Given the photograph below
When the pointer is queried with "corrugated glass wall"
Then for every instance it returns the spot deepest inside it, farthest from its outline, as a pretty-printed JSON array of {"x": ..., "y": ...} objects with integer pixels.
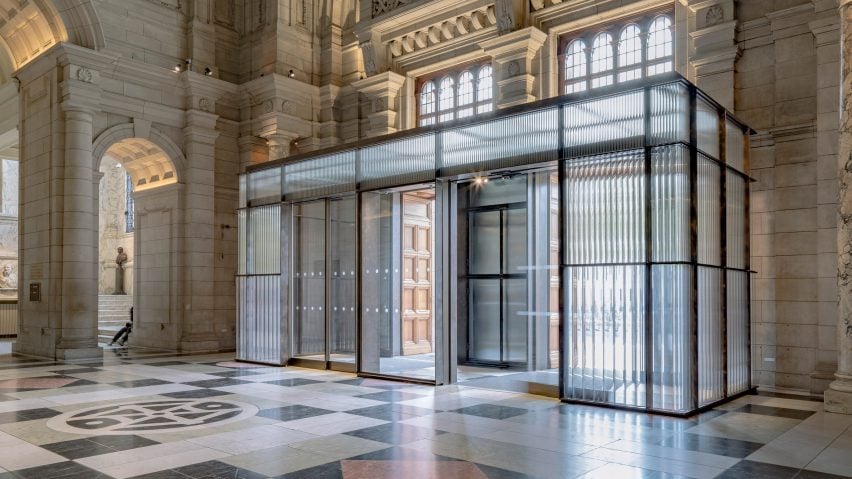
[{"x": 654, "y": 218}]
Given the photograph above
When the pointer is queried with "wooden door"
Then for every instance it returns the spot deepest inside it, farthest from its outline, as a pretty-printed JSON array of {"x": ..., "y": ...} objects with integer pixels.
[{"x": 417, "y": 272}]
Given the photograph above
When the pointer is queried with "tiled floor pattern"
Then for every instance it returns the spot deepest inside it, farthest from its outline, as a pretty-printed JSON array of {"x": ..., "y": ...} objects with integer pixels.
[{"x": 320, "y": 424}]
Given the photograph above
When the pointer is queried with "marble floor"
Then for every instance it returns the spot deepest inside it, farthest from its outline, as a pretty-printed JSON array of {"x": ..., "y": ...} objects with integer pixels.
[{"x": 137, "y": 414}]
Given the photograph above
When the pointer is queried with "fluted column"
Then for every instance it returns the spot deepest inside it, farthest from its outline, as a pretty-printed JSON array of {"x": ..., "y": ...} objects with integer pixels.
[{"x": 838, "y": 397}]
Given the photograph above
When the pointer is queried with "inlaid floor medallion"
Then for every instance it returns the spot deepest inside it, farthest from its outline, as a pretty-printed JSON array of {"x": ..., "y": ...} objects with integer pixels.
[{"x": 152, "y": 416}]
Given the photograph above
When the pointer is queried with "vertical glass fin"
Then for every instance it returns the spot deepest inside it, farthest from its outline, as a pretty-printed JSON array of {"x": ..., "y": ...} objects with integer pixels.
[
  {"x": 738, "y": 332},
  {"x": 711, "y": 365},
  {"x": 672, "y": 346},
  {"x": 670, "y": 203},
  {"x": 709, "y": 216}
]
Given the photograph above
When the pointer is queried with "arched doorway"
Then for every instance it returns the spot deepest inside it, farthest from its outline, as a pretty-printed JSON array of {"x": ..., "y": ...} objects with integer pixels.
[{"x": 134, "y": 171}]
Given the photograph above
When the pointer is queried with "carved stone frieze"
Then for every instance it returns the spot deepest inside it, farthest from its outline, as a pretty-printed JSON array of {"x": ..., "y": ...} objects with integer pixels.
[
  {"x": 447, "y": 30},
  {"x": 714, "y": 15},
  {"x": 536, "y": 5},
  {"x": 384, "y": 6}
]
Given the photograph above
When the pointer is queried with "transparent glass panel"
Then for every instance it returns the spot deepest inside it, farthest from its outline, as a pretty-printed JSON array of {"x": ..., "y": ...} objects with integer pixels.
[
  {"x": 603, "y": 60},
  {"x": 325, "y": 175},
  {"x": 605, "y": 124},
  {"x": 738, "y": 332},
  {"x": 515, "y": 241},
  {"x": 427, "y": 104},
  {"x": 575, "y": 67},
  {"x": 264, "y": 241},
  {"x": 264, "y": 187},
  {"x": 398, "y": 162},
  {"x": 735, "y": 146},
  {"x": 660, "y": 39},
  {"x": 259, "y": 319},
  {"x": 672, "y": 352},
  {"x": 707, "y": 126},
  {"x": 709, "y": 215},
  {"x": 670, "y": 203},
  {"x": 669, "y": 113},
  {"x": 446, "y": 100},
  {"x": 397, "y": 283},
  {"x": 605, "y": 209},
  {"x": 465, "y": 95},
  {"x": 509, "y": 141},
  {"x": 485, "y": 319},
  {"x": 735, "y": 187},
  {"x": 484, "y": 247},
  {"x": 604, "y": 331},
  {"x": 515, "y": 320},
  {"x": 629, "y": 53},
  {"x": 308, "y": 278},
  {"x": 341, "y": 279},
  {"x": 710, "y": 363}
]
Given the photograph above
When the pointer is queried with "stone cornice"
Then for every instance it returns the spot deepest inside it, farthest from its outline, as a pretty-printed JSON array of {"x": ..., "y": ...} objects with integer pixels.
[
  {"x": 568, "y": 15},
  {"x": 527, "y": 40},
  {"x": 792, "y": 11},
  {"x": 824, "y": 30},
  {"x": 385, "y": 83}
]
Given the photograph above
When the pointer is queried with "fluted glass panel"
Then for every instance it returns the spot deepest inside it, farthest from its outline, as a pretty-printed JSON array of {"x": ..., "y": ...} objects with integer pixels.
[
  {"x": 606, "y": 209},
  {"x": 735, "y": 187},
  {"x": 259, "y": 319},
  {"x": 264, "y": 187},
  {"x": 710, "y": 363},
  {"x": 604, "y": 351},
  {"x": 669, "y": 113},
  {"x": 243, "y": 191},
  {"x": 341, "y": 282},
  {"x": 707, "y": 126},
  {"x": 672, "y": 351},
  {"x": 515, "y": 140},
  {"x": 734, "y": 146},
  {"x": 709, "y": 202},
  {"x": 242, "y": 240},
  {"x": 325, "y": 175},
  {"x": 264, "y": 241},
  {"x": 670, "y": 203},
  {"x": 398, "y": 162},
  {"x": 605, "y": 124},
  {"x": 738, "y": 332}
]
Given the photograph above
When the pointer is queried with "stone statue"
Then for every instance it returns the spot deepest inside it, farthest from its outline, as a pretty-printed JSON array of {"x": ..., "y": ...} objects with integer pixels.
[
  {"x": 120, "y": 259},
  {"x": 8, "y": 278}
]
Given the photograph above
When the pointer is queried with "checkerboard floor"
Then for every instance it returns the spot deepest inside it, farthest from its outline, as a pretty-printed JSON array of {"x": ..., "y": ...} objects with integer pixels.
[{"x": 142, "y": 415}]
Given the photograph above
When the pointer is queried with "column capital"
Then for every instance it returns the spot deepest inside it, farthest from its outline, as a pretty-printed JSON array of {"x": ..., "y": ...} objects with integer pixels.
[
  {"x": 279, "y": 142},
  {"x": 382, "y": 90},
  {"x": 381, "y": 84}
]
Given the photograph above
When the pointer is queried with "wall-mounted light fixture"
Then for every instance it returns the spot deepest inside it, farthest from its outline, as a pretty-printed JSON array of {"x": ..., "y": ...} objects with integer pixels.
[
  {"x": 292, "y": 74},
  {"x": 176, "y": 68},
  {"x": 208, "y": 71}
]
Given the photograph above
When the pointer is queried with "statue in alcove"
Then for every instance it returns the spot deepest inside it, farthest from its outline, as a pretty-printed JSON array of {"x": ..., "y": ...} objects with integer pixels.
[
  {"x": 120, "y": 259},
  {"x": 8, "y": 278}
]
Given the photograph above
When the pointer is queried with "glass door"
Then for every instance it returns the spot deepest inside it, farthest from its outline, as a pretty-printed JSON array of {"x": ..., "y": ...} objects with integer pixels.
[
  {"x": 324, "y": 285},
  {"x": 399, "y": 283}
]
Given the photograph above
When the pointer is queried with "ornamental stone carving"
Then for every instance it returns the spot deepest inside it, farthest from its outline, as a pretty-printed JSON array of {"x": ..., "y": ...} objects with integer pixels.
[
  {"x": 369, "y": 58},
  {"x": 204, "y": 104},
  {"x": 430, "y": 35},
  {"x": 714, "y": 15},
  {"x": 84, "y": 75},
  {"x": 513, "y": 68},
  {"x": 384, "y": 6}
]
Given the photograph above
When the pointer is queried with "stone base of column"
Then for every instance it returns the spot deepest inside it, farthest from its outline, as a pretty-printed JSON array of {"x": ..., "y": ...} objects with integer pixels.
[
  {"x": 60, "y": 354},
  {"x": 838, "y": 396}
]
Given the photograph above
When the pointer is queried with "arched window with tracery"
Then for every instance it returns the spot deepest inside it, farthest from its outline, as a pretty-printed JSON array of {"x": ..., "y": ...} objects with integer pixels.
[
  {"x": 575, "y": 67},
  {"x": 617, "y": 53},
  {"x": 451, "y": 95},
  {"x": 427, "y": 104}
]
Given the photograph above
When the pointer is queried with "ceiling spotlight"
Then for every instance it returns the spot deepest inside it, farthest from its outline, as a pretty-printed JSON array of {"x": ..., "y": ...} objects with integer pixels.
[
  {"x": 292, "y": 74},
  {"x": 208, "y": 71},
  {"x": 480, "y": 180}
]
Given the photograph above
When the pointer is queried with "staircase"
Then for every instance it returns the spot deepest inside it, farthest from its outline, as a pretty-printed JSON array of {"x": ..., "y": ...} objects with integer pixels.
[{"x": 113, "y": 312}]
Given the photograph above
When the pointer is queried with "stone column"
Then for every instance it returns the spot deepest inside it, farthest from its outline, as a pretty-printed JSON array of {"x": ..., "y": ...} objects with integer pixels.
[
  {"x": 714, "y": 49},
  {"x": 382, "y": 91},
  {"x": 513, "y": 55},
  {"x": 79, "y": 302},
  {"x": 838, "y": 397}
]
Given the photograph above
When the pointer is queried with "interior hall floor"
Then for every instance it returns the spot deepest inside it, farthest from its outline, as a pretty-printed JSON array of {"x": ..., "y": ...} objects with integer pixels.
[{"x": 147, "y": 415}]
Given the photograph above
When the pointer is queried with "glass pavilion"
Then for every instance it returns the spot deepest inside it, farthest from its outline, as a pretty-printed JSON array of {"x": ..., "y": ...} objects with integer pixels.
[{"x": 601, "y": 237}]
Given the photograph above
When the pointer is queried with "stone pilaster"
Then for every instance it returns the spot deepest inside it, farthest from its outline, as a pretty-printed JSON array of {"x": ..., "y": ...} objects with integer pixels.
[
  {"x": 838, "y": 397},
  {"x": 382, "y": 91},
  {"x": 713, "y": 47},
  {"x": 513, "y": 55},
  {"x": 279, "y": 142},
  {"x": 253, "y": 150}
]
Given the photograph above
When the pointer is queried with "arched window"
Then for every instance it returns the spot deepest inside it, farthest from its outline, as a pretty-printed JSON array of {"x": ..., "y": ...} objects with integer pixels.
[
  {"x": 485, "y": 89},
  {"x": 660, "y": 46},
  {"x": 629, "y": 54},
  {"x": 617, "y": 53},
  {"x": 446, "y": 100},
  {"x": 602, "y": 60},
  {"x": 465, "y": 94},
  {"x": 427, "y": 104},
  {"x": 575, "y": 67},
  {"x": 457, "y": 94}
]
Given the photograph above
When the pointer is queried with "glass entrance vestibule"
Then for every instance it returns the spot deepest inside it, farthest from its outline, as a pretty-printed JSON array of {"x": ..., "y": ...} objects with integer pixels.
[{"x": 592, "y": 246}]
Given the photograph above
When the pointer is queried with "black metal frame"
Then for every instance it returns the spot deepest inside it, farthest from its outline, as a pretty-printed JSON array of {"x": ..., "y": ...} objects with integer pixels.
[{"x": 564, "y": 155}]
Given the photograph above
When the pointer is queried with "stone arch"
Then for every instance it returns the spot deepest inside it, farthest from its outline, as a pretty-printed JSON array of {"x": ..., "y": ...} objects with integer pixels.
[{"x": 151, "y": 158}]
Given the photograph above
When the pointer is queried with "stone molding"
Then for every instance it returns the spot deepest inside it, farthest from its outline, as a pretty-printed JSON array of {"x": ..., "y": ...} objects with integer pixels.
[
  {"x": 382, "y": 91},
  {"x": 138, "y": 129},
  {"x": 513, "y": 54}
]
